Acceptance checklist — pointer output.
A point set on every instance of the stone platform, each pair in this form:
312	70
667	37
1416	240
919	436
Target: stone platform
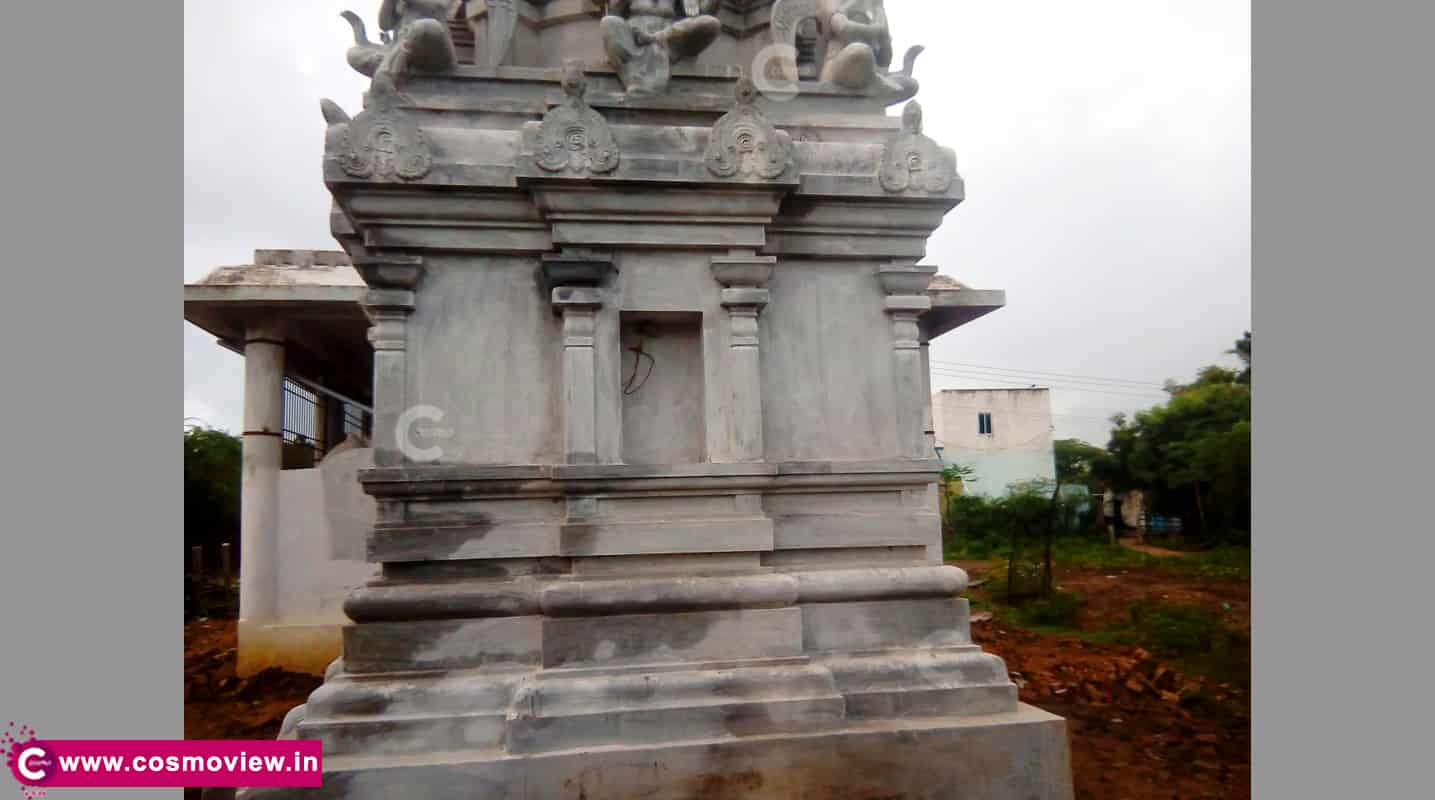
1019	754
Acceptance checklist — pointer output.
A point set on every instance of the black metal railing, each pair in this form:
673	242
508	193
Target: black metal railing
301	418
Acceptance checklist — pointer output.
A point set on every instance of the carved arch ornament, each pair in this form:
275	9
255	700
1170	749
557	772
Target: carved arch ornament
382	143
913	162
744	142
573	137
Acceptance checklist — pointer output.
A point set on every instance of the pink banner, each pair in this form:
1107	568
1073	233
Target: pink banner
161	764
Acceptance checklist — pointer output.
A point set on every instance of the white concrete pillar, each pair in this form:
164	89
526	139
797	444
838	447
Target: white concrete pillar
907	299
744	277
259	488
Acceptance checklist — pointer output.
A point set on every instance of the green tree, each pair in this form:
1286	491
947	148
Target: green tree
1075	461
213	462
1193	454
1243	352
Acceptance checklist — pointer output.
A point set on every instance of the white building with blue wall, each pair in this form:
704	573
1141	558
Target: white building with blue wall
1003	435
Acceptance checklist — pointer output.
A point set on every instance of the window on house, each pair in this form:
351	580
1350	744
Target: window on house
984	423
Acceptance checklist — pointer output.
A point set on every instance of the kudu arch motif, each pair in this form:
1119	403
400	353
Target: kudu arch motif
745	143
915	162
574	137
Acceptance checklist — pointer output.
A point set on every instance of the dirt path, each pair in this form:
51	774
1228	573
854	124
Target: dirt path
1152	550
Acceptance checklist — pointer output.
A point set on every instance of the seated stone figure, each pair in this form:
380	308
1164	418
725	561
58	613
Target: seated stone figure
645	37
859	48
415	38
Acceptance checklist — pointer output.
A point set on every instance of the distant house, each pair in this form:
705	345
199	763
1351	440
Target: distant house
1003	435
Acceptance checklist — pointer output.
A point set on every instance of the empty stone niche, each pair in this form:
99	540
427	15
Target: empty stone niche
662	384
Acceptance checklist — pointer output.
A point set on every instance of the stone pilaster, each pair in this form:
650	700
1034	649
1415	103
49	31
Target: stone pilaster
906	288
392	283
744	277
577	298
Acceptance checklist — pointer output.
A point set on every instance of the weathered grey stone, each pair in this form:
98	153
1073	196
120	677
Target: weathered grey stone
402	647
669	638
863	625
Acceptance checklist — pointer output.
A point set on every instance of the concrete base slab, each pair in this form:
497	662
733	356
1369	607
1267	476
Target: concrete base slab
1018	755
296	648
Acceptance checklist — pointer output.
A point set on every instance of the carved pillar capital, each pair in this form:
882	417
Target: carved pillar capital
906	280
744	278
743	270
390	271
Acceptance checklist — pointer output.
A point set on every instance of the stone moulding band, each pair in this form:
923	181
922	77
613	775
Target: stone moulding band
647	595
441	481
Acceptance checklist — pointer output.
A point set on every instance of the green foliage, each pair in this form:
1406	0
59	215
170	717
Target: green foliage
1202	641
1175	629
1074	461
959	474
1243	352
978	527
212	465
1193	455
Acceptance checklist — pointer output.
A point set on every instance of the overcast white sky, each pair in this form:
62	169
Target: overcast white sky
1105	146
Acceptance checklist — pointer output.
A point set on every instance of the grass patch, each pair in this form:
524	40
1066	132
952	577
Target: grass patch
1058	609
1223	563
1175	629
1056	612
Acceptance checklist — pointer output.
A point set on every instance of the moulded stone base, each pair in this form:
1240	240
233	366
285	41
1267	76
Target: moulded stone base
1018	755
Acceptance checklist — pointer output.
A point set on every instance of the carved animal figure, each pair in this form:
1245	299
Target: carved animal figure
859	52
415	38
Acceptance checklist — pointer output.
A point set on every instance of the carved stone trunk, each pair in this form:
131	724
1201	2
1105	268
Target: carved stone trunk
657	505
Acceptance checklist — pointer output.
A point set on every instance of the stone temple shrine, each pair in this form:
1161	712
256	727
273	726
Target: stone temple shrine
656	494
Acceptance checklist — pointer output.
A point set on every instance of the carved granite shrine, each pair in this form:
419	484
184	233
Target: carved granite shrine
657	510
